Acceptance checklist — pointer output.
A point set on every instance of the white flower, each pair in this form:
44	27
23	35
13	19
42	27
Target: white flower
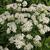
19	9
12	26
20	18
2	21
27	15
46	28
19	41
36	13
33	17
19	0
19	5
16	15
41	7
10	17
24	3
8	30
14	6
32	9
4	15
20	36
25	9
29	36
37	38
43	18
42	31
46	20
6	48
27	26
40	26
8	6
48	8
29	46
11	40
37	43
1	48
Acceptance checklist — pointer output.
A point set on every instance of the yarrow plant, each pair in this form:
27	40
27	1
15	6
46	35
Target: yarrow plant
24	27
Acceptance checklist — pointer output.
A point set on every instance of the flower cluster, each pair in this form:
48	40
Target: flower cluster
1	48
22	22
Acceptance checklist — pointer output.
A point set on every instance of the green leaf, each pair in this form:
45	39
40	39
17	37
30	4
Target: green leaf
47	42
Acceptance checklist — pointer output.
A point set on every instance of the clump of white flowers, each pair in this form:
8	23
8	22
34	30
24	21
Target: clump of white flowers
37	41
43	18
11	27
18	40
27	26
14	6
28	45
23	21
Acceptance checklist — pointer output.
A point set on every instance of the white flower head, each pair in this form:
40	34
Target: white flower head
41	7
6	48
29	46
12	26
33	17
25	9
14	6
29	36
20	18
37	43
10	17
16	15
19	0
19	5
46	28
18	40
46	20
19	9
8	30
48	8
37	38
42	18
32	9
11	40
27	26
1	48
40	26
2	21
42	31
19	43
24	3
20	36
